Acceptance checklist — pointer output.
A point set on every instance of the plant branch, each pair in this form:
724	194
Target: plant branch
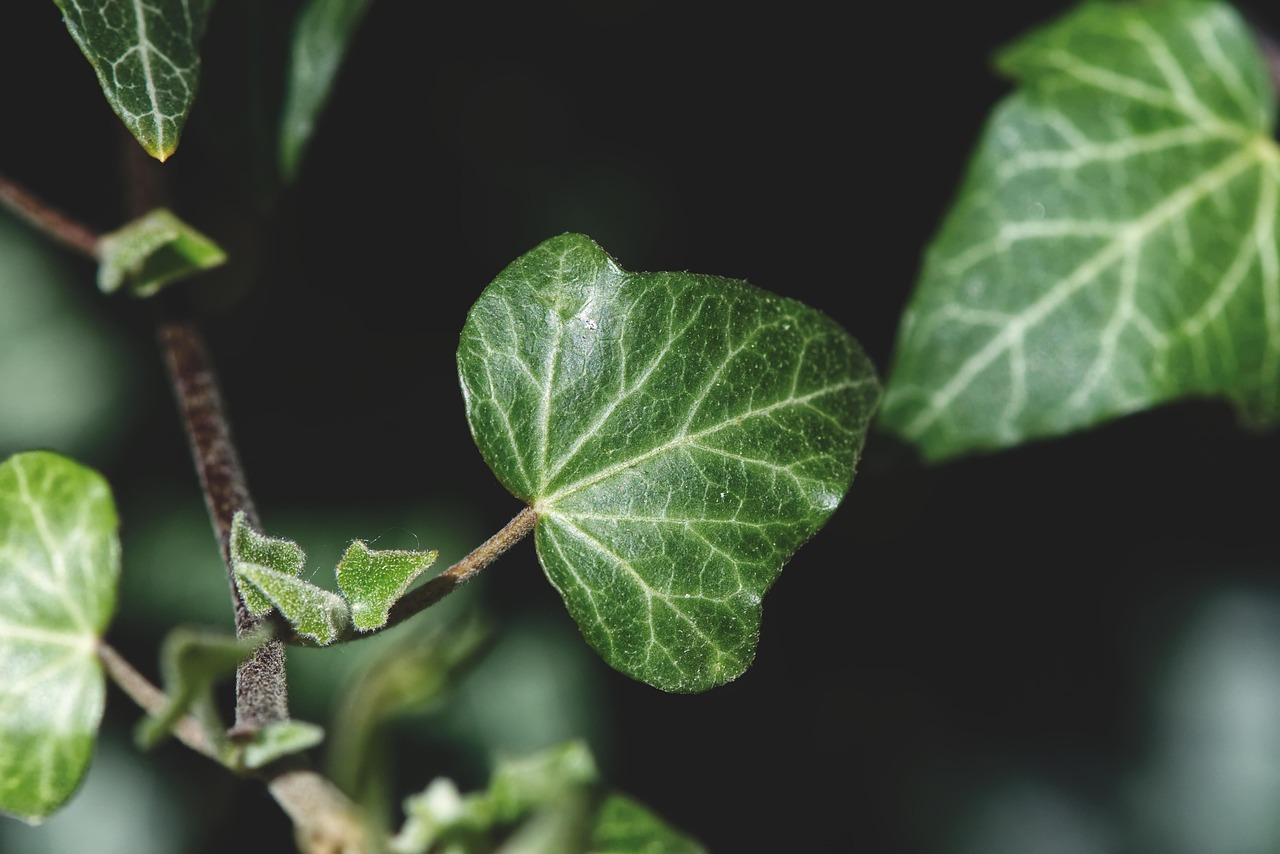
153	700
463	571
48	219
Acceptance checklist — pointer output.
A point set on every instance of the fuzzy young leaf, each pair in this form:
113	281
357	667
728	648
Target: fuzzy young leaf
679	435
313	611
250	547
1114	245
278	739
154	250
373	579
320	39
146	56
59	567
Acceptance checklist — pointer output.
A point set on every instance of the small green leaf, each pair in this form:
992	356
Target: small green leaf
146	56
1114	244
624	825
313	611
372	580
250	547
321	36
277	739
191	661
153	251
679	435
59	567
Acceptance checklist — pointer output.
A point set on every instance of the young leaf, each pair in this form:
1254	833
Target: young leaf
1114	245
154	250
191	661
372	580
250	547
679	435
277	739
59	566
147	59
312	611
320	38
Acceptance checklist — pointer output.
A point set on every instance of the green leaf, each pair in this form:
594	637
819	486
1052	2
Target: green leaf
278	739
372	580
1114	245
624	825
321	36
154	250
59	566
147	59
313	611
191	661
679	436
250	547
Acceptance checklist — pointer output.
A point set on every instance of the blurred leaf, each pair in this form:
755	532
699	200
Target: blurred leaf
59	565
680	436
1114	245
154	250
321	36
191	661
146	56
372	580
278	739
549	803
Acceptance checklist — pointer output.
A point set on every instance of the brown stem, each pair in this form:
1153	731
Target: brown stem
51	221
153	700
464	570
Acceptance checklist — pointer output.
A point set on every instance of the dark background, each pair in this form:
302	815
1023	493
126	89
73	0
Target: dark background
999	615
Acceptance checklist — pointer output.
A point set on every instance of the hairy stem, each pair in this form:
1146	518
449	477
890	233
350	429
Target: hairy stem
153	700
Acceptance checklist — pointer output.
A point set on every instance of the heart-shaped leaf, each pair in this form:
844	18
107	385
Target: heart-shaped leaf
59	566
373	579
1114	245
146	56
679	436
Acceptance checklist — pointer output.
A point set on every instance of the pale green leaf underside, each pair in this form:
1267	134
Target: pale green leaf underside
313	611
373	579
1114	245
59	566
279	739
679	435
320	40
248	546
146	56
153	251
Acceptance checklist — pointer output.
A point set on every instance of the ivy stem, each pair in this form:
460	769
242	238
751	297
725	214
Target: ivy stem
48	219
153	700
464	570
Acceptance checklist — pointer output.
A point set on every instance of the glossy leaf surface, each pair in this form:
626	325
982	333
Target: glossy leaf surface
679	435
146	56
1114	245
59	567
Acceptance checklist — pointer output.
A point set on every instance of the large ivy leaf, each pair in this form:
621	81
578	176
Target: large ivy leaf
146	56
679	435
1114	245
59	565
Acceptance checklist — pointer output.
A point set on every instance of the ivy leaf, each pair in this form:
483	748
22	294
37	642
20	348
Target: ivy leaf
59	566
278	739
248	546
373	579
147	59
154	250
313	611
1114	244
679	436
320	39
